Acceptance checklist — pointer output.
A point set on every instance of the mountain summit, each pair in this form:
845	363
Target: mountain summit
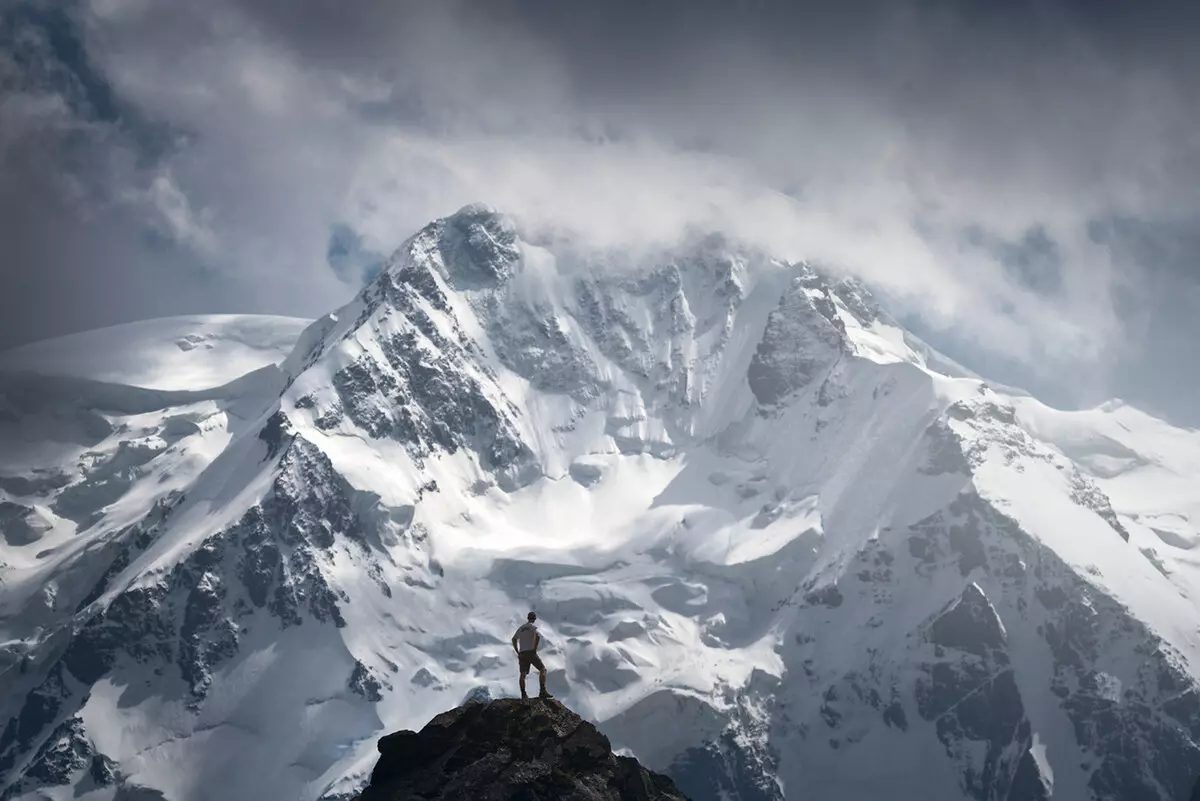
532	750
773	540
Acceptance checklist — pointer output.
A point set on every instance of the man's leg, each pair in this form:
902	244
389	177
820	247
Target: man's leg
523	664
537	663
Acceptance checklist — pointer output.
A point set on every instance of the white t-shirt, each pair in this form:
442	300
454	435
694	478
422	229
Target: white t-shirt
527	637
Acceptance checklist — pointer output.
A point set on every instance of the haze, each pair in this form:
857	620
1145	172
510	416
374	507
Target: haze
1020	180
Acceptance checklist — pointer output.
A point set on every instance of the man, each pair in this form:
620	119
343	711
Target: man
525	642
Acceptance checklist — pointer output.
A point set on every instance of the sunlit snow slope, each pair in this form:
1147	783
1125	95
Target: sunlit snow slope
776	550
173	353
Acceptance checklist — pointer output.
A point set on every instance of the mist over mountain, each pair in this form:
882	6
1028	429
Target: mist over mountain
1019	180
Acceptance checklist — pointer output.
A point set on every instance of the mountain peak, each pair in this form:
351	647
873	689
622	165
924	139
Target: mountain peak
510	749
478	246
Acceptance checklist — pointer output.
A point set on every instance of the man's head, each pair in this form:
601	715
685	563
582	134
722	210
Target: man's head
532	616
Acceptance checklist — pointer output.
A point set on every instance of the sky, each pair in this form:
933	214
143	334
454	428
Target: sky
1020	180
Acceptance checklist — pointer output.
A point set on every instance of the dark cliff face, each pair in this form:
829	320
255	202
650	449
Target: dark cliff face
532	750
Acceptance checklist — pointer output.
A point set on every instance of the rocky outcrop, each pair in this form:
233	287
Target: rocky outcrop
532	750
20	525
970	694
802	340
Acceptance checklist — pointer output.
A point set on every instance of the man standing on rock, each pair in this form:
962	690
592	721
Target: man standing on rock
525	642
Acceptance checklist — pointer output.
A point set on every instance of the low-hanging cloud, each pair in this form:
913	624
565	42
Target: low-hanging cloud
929	148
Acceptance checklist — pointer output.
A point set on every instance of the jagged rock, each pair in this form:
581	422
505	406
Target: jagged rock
724	768
478	245
533	750
970	624
1029	784
427	392
828	595
530	340
585	474
479	695
858	299
362	683
1085	493
62	759
20	525
945	451
801	342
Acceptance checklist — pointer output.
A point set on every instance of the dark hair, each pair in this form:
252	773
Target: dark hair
531	616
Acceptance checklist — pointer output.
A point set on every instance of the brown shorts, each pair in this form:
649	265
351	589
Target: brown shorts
528	659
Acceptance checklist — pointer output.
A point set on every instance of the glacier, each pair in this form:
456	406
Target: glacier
779	547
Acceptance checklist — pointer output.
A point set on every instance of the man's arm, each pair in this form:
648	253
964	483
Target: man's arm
514	642
537	640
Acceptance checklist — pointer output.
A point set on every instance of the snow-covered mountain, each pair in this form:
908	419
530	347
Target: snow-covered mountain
779	548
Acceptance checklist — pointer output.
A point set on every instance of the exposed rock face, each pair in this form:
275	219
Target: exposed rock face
973	700
20	525
534	751
803	338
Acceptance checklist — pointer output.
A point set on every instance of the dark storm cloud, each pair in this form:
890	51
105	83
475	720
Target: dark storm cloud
260	154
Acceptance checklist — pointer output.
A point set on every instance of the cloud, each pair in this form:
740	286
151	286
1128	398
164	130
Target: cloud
177	219
962	158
